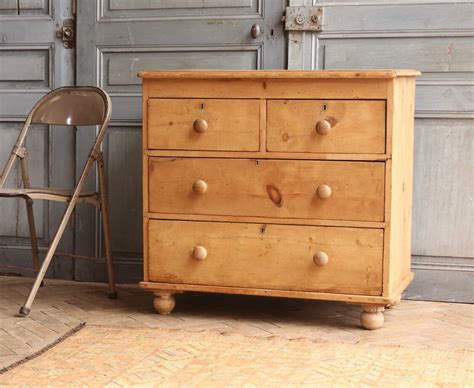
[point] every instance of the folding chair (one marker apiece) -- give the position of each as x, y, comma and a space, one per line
70, 106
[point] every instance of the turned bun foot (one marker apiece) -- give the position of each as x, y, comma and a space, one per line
163, 302
395, 303
372, 317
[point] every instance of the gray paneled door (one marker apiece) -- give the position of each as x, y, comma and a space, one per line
118, 38
435, 37
33, 62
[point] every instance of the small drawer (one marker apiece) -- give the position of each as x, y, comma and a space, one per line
325, 190
326, 126
280, 257
203, 124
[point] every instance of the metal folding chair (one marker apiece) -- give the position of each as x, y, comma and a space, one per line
70, 106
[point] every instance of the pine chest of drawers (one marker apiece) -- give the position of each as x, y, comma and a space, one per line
279, 183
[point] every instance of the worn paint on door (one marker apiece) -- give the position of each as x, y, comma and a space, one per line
118, 38
437, 39
33, 62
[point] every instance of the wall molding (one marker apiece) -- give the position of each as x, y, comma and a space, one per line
103, 17
443, 263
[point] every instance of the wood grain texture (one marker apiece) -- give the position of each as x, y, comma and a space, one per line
230, 125
400, 194
267, 256
268, 221
259, 220
272, 74
299, 88
352, 126
268, 155
145, 182
268, 188
347, 298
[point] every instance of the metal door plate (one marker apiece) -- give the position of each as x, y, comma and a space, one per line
67, 33
304, 19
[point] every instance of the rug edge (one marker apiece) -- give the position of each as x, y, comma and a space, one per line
38, 353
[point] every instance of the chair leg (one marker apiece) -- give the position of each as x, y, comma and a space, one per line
34, 241
104, 208
30, 215
25, 309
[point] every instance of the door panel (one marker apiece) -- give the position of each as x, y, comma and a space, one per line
119, 68
395, 16
128, 224
443, 174
117, 39
142, 9
14, 223
24, 7
447, 59
437, 39
32, 63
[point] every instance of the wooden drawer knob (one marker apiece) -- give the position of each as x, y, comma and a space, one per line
323, 127
199, 252
200, 125
199, 186
323, 191
320, 258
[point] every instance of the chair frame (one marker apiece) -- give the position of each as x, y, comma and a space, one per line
98, 199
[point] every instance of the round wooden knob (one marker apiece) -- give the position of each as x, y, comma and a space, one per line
323, 191
320, 258
323, 127
199, 186
199, 252
200, 125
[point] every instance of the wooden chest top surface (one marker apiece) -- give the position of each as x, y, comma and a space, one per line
233, 74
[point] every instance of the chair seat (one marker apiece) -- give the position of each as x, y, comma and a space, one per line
48, 193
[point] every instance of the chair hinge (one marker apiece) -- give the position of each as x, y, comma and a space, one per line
96, 155
19, 151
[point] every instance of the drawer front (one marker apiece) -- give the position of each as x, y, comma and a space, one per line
203, 124
325, 190
266, 256
332, 126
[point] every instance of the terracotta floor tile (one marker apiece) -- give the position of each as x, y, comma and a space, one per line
61, 305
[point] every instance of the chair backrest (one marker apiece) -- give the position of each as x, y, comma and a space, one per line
79, 105
69, 105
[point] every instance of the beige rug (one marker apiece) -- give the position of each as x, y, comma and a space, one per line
114, 357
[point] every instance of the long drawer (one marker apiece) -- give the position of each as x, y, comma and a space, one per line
333, 126
203, 124
300, 258
325, 190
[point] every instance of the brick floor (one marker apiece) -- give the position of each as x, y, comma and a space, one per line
62, 305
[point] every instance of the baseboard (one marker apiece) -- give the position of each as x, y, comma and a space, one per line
447, 279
